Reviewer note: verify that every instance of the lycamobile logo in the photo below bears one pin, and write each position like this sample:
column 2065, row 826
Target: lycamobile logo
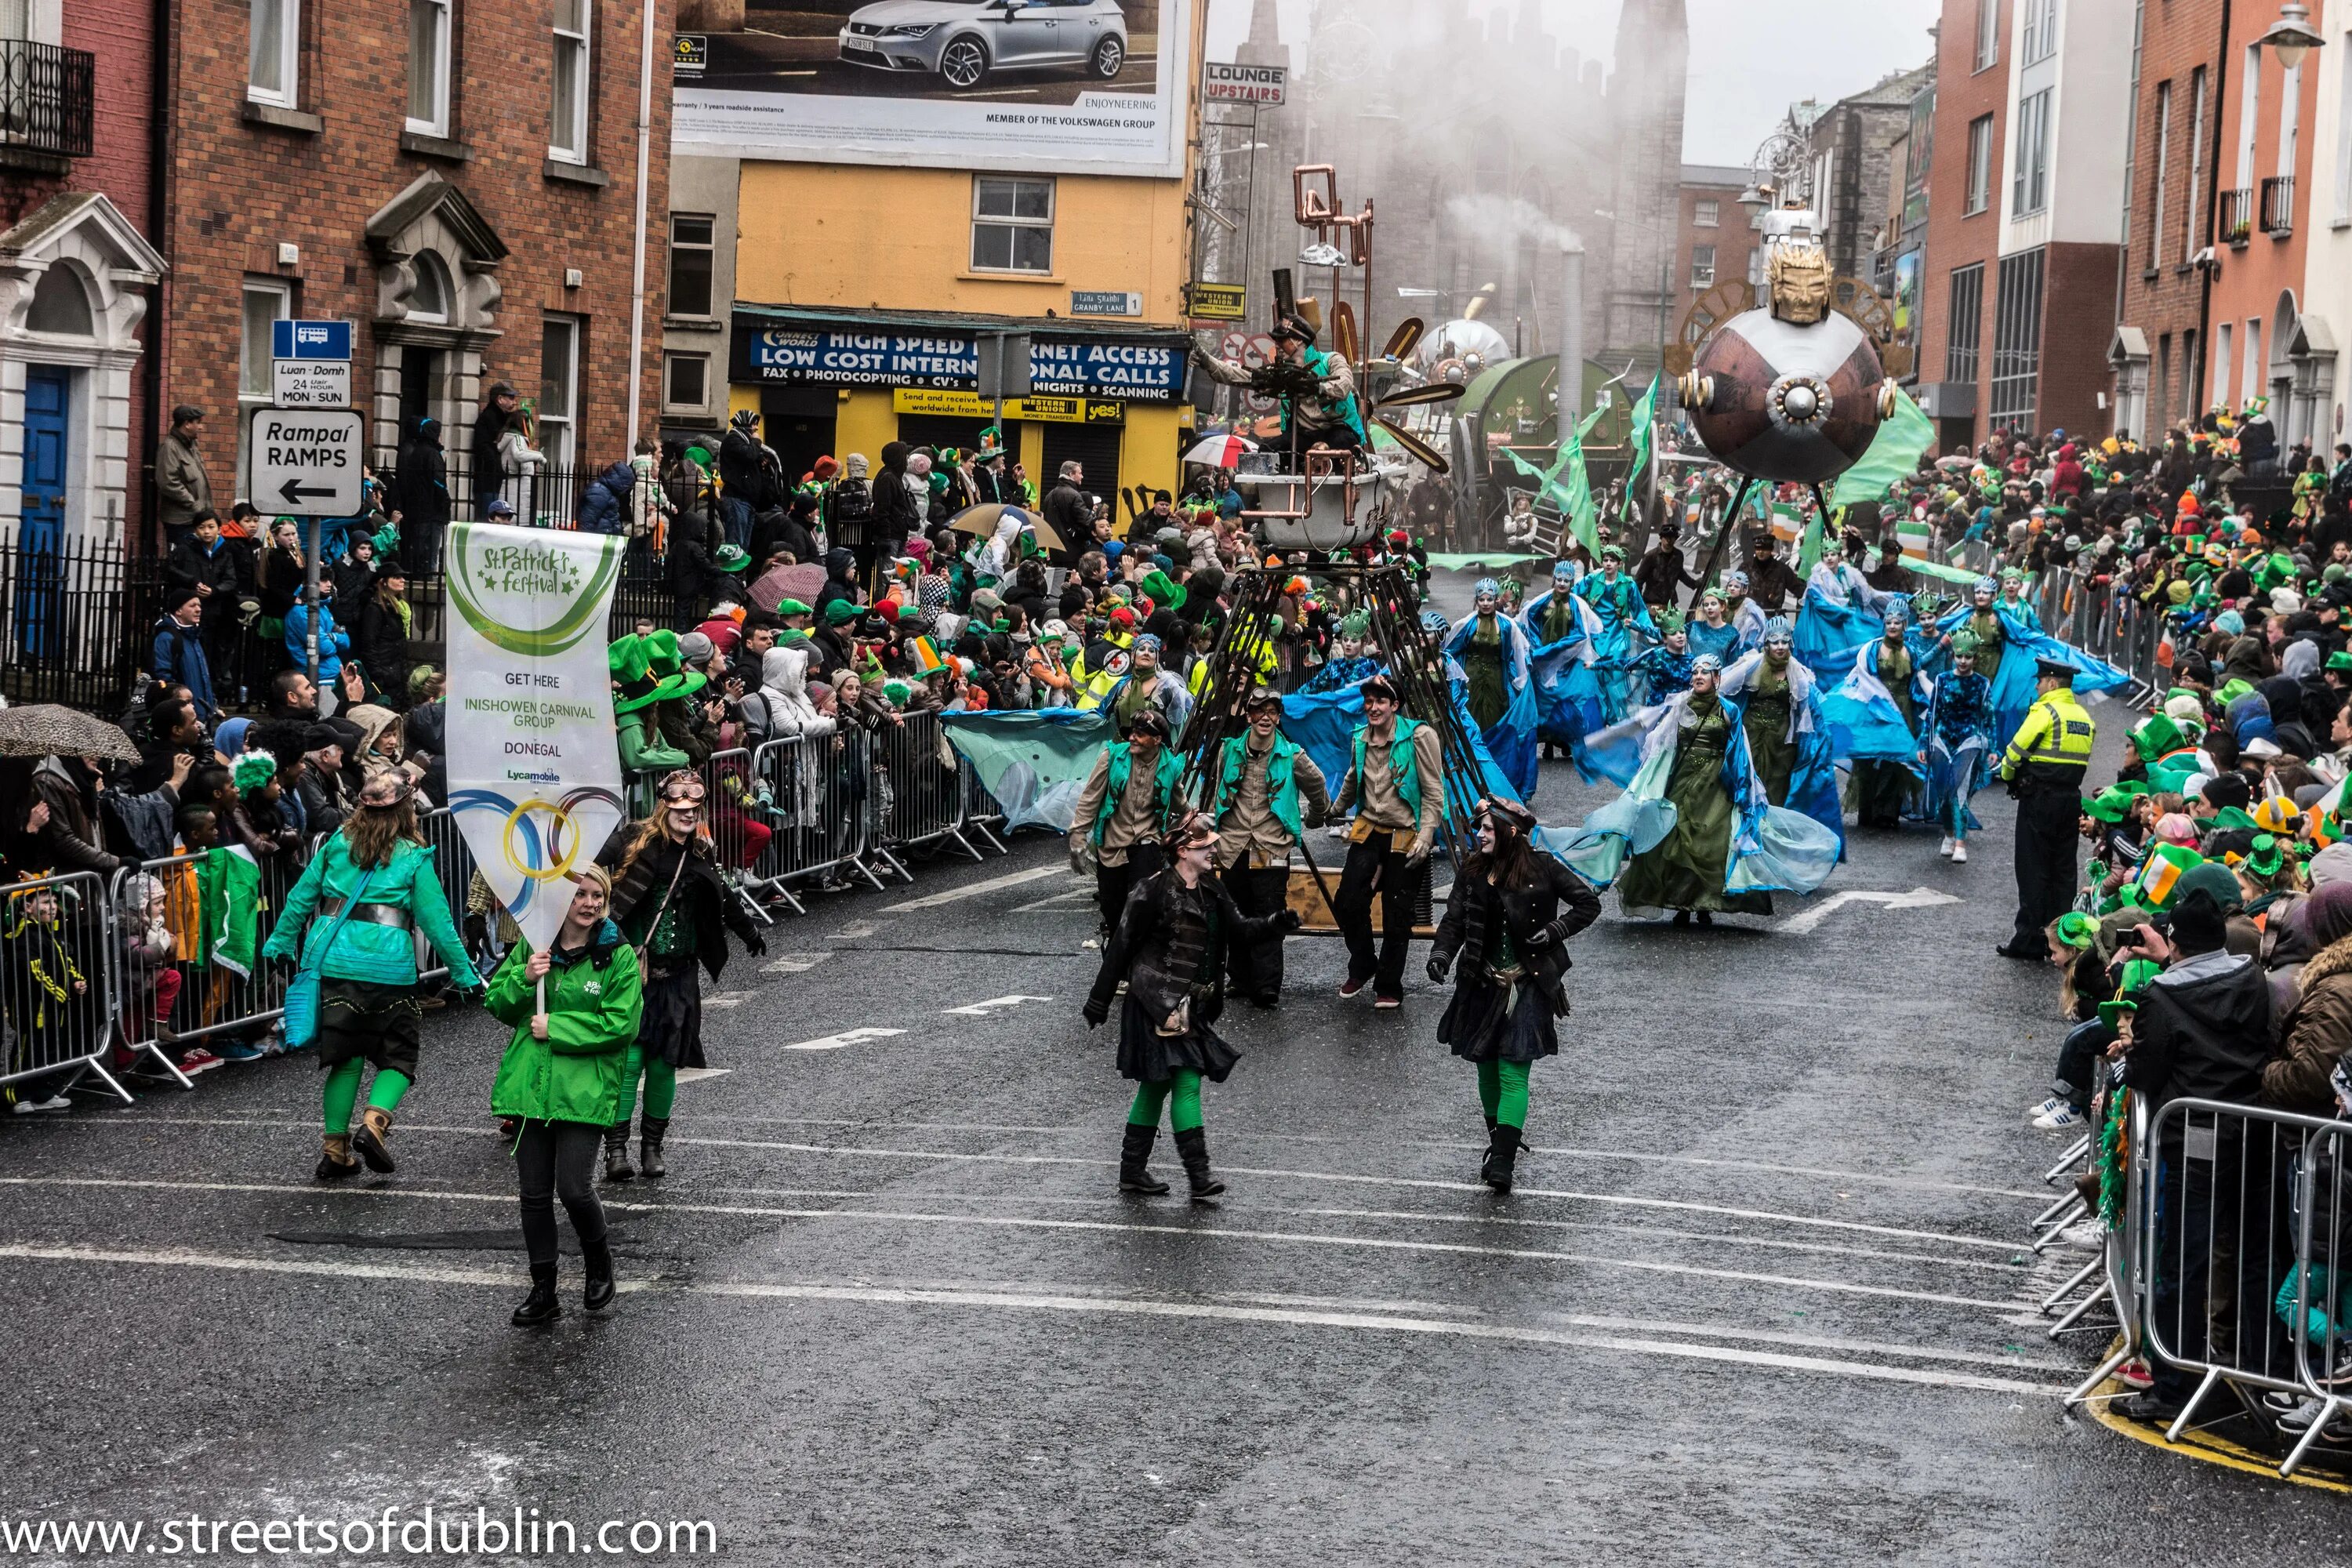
column 540, row 573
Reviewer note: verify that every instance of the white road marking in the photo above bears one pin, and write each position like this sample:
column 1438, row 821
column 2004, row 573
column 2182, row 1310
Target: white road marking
column 974, row 890
column 1816, row 1341
column 1012, row 1222
column 846, row 1038
column 503, row 1279
column 795, row 963
column 1415, row 1183
column 994, row 1005
column 695, row 1075
column 1916, row 898
column 730, row 999
column 852, row 931
column 1076, row 897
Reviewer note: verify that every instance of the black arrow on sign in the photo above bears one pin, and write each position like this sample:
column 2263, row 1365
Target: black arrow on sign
column 296, row 492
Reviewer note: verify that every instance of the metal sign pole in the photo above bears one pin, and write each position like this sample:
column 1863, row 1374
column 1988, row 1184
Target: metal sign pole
column 310, row 597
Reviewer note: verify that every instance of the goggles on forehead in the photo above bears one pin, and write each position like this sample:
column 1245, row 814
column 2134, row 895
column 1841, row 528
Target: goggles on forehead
column 682, row 788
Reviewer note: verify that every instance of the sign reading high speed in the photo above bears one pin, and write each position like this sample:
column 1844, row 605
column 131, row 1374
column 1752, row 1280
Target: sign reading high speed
column 306, row 462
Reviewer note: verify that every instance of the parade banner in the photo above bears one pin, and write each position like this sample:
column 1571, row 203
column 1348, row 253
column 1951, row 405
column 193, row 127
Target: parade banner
column 534, row 773
column 1030, row 87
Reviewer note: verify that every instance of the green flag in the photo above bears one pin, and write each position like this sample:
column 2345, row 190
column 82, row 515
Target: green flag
column 1573, row 493
column 1809, row 553
column 1894, row 453
column 1646, row 414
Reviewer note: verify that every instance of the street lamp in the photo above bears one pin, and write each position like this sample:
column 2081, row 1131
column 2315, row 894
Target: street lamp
column 2291, row 36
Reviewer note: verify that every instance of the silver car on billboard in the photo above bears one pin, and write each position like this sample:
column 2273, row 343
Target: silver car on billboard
column 964, row 42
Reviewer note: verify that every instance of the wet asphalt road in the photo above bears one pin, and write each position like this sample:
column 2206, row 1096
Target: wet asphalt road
column 1761, row 1297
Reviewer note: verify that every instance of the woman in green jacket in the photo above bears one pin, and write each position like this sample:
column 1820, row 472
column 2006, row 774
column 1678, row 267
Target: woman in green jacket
column 576, row 1010
column 365, row 954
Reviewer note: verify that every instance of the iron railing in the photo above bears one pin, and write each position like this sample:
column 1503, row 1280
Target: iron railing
column 2278, row 205
column 2235, row 214
column 46, row 96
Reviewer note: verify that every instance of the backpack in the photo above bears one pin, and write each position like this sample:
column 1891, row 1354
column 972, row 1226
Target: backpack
column 853, row 501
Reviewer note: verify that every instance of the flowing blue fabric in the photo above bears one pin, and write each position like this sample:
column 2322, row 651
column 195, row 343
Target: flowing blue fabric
column 1959, row 741
column 1568, row 702
column 1723, row 641
column 1618, row 608
column 1813, row 778
column 1827, row 633
column 1035, row 762
column 2013, row 684
column 1511, row 740
column 1773, row 849
column 1865, row 724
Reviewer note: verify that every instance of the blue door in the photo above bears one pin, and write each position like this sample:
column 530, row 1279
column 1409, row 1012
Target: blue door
column 49, row 398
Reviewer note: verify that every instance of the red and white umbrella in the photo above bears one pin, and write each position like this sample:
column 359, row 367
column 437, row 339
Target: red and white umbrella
column 1221, row 451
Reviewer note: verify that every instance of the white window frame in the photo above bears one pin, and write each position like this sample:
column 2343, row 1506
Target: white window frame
column 708, row 248
column 2249, row 108
column 1987, row 34
column 2343, row 215
column 2029, row 181
column 583, row 79
column 287, row 94
column 1053, row 211
column 2041, row 31
column 437, row 69
column 1708, row 214
column 2201, row 83
column 700, row 403
column 1702, row 272
column 2163, row 172
column 557, row 434
column 2257, row 368
column 1977, row 195
column 2290, row 121
column 2222, row 364
column 255, row 387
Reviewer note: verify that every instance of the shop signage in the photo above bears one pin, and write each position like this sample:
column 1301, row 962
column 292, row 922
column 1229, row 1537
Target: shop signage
column 1044, row 410
column 1127, row 371
column 1217, row 301
column 1223, row 81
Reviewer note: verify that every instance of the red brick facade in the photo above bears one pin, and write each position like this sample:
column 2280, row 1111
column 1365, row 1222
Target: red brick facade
column 2171, row 216
column 247, row 180
column 1956, row 237
column 1729, row 235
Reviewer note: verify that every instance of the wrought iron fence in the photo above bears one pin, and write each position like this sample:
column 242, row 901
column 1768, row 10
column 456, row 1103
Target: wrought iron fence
column 2278, row 205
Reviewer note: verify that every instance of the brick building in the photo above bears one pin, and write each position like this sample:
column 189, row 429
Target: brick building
column 1963, row 246
column 2026, row 215
column 1852, row 146
column 459, row 181
column 1713, row 244
column 76, row 268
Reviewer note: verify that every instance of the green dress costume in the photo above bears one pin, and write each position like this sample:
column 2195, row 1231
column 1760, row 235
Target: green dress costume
column 1482, row 661
column 1684, row 870
column 1991, row 638
column 1769, row 740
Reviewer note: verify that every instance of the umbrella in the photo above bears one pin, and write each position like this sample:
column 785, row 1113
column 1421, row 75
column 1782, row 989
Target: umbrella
column 980, row 521
column 47, row 730
column 1223, row 451
column 802, row 580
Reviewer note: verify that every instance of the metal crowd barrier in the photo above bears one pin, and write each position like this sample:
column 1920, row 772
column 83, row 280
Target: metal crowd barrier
column 210, row 998
column 814, row 796
column 58, row 987
column 2240, row 1242
column 2120, row 1263
column 931, row 804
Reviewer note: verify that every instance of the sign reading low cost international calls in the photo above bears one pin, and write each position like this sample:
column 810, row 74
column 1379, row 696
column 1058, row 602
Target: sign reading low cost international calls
column 1142, row 372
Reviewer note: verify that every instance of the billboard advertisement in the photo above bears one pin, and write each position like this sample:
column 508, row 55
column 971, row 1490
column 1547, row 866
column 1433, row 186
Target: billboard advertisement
column 1081, row 87
column 1140, row 368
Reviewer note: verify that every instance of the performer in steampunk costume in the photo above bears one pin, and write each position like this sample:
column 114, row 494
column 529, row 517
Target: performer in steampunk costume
column 671, row 903
column 1122, row 807
column 1168, row 949
column 1268, row 793
column 1395, row 787
column 1327, row 416
column 1512, row 910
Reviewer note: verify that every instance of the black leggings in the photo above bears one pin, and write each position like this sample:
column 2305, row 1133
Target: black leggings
column 556, row 1159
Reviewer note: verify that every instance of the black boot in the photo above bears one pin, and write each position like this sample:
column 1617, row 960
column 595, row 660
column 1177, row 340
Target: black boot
column 597, row 1257
column 540, row 1306
column 650, row 1130
column 616, row 1153
column 1134, row 1175
column 1502, row 1153
column 1193, row 1145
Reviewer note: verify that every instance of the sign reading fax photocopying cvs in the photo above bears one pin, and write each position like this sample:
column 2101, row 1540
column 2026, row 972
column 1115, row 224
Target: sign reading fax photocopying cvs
column 1141, row 369
column 1080, row 87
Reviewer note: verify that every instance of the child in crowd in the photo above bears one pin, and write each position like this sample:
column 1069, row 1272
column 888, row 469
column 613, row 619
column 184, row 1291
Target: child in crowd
column 50, row 1011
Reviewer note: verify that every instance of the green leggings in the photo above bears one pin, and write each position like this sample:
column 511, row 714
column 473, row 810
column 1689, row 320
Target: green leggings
column 1183, row 1116
column 343, row 1092
column 661, row 1086
column 1503, row 1090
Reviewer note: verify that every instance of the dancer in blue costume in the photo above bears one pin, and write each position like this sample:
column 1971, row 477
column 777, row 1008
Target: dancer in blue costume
column 1562, row 652
column 1694, row 831
column 1746, row 616
column 2008, row 643
column 1711, row 631
column 1625, row 625
column 1779, row 707
column 1666, row 669
column 1874, row 716
column 1960, row 739
column 1491, row 649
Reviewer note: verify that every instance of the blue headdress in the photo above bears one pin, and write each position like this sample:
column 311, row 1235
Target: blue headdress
column 1985, row 585
column 1486, row 587
column 1706, row 664
column 1435, row 621
column 1731, row 579
column 1562, row 569
column 1896, row 612
column 1777, row 629
column 1148, row 643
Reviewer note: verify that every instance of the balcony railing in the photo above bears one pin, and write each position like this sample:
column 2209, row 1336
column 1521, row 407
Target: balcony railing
column 2236, row 214
column 2278, row 205
column 46, row 97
